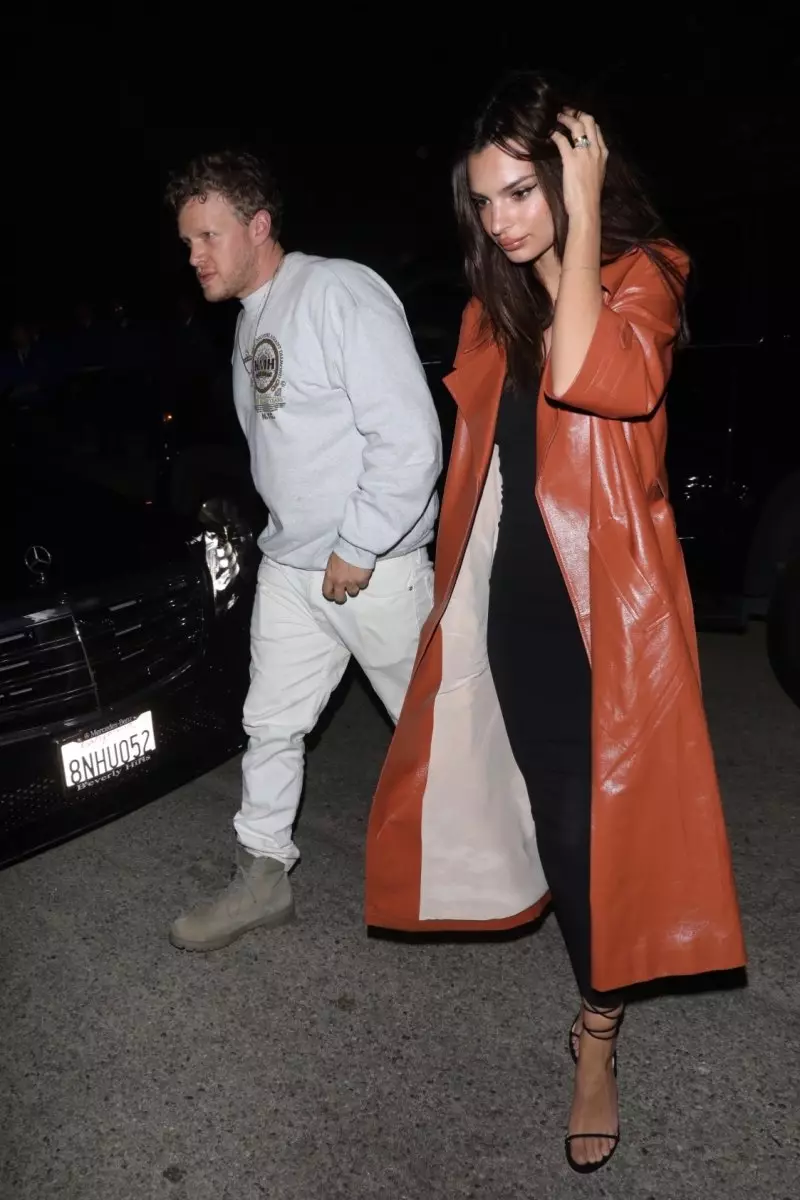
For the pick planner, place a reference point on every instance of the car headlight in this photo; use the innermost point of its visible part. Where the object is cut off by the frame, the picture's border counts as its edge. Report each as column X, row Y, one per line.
column 227, row 541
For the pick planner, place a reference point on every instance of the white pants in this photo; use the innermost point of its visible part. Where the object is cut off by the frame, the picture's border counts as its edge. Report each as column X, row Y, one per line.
column 300, row 645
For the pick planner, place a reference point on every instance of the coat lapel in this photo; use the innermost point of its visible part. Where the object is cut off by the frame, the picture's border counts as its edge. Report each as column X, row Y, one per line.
column 476, row 385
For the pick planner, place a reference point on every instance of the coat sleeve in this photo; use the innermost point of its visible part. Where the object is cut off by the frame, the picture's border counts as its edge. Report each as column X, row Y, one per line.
column 629, row 360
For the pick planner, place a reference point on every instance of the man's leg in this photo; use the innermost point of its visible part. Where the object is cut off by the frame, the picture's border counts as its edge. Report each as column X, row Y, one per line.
column 381, row 626
column 296, row 662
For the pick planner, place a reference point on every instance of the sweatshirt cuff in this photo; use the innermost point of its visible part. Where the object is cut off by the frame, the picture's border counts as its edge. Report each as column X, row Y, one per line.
column 354, row 554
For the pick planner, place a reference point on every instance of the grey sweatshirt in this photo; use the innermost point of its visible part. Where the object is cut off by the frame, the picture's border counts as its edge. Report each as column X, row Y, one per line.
column 345, row 445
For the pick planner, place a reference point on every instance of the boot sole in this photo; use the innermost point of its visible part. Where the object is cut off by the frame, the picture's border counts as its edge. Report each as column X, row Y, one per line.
column 272, row 921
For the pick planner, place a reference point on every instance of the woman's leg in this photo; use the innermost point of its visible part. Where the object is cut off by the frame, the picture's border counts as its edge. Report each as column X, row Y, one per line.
column 543, row 683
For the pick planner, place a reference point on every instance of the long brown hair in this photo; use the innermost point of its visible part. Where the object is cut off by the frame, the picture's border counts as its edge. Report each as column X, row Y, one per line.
column 519, row 117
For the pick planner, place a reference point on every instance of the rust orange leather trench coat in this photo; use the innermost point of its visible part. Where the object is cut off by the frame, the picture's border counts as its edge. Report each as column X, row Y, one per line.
column 451, row 843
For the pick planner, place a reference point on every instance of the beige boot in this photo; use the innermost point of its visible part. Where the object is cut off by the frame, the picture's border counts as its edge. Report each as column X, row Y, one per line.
column 259, row 895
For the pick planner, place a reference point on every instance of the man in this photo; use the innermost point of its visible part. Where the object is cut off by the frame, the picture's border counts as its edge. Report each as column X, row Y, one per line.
column 345, row 451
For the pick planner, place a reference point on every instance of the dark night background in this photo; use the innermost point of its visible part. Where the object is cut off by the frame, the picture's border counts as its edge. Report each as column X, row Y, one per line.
column 359, row 124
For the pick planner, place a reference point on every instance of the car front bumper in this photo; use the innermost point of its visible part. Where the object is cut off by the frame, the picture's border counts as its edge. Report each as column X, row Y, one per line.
column 197, row 718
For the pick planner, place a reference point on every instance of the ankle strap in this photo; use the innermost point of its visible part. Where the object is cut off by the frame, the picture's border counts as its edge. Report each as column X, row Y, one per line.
column 613, row 1015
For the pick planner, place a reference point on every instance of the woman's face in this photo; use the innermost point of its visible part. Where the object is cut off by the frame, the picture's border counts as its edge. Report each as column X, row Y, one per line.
column 510, row 203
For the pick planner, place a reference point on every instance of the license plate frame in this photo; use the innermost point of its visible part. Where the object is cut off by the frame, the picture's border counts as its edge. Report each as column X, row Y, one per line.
column 110, row 748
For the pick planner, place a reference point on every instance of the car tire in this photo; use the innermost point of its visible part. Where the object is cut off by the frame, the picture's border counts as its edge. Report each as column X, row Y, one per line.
column 783, row 630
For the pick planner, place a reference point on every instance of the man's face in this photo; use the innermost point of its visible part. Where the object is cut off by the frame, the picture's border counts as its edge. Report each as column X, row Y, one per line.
column 222, row 249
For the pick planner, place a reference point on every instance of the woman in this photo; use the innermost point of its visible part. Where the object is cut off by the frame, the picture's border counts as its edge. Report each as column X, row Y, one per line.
column 553, row 744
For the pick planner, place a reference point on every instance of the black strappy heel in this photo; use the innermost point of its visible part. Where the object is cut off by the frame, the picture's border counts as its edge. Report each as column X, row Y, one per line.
column 602, row 1035
column 574, row 1037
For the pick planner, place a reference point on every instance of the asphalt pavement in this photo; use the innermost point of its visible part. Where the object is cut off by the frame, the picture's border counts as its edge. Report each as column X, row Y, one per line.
column 317, row 1061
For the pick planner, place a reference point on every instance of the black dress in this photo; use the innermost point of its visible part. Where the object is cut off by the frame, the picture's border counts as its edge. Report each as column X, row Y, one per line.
column 543, row 680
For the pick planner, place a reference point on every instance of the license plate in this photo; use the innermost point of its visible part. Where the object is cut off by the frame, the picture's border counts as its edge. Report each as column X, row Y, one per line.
column 107, row 754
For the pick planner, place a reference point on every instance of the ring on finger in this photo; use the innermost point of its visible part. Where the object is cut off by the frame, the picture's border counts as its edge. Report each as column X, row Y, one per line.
column 581, row 142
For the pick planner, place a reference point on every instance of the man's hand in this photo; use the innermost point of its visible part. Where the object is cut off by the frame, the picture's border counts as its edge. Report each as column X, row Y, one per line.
column 342, row 579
